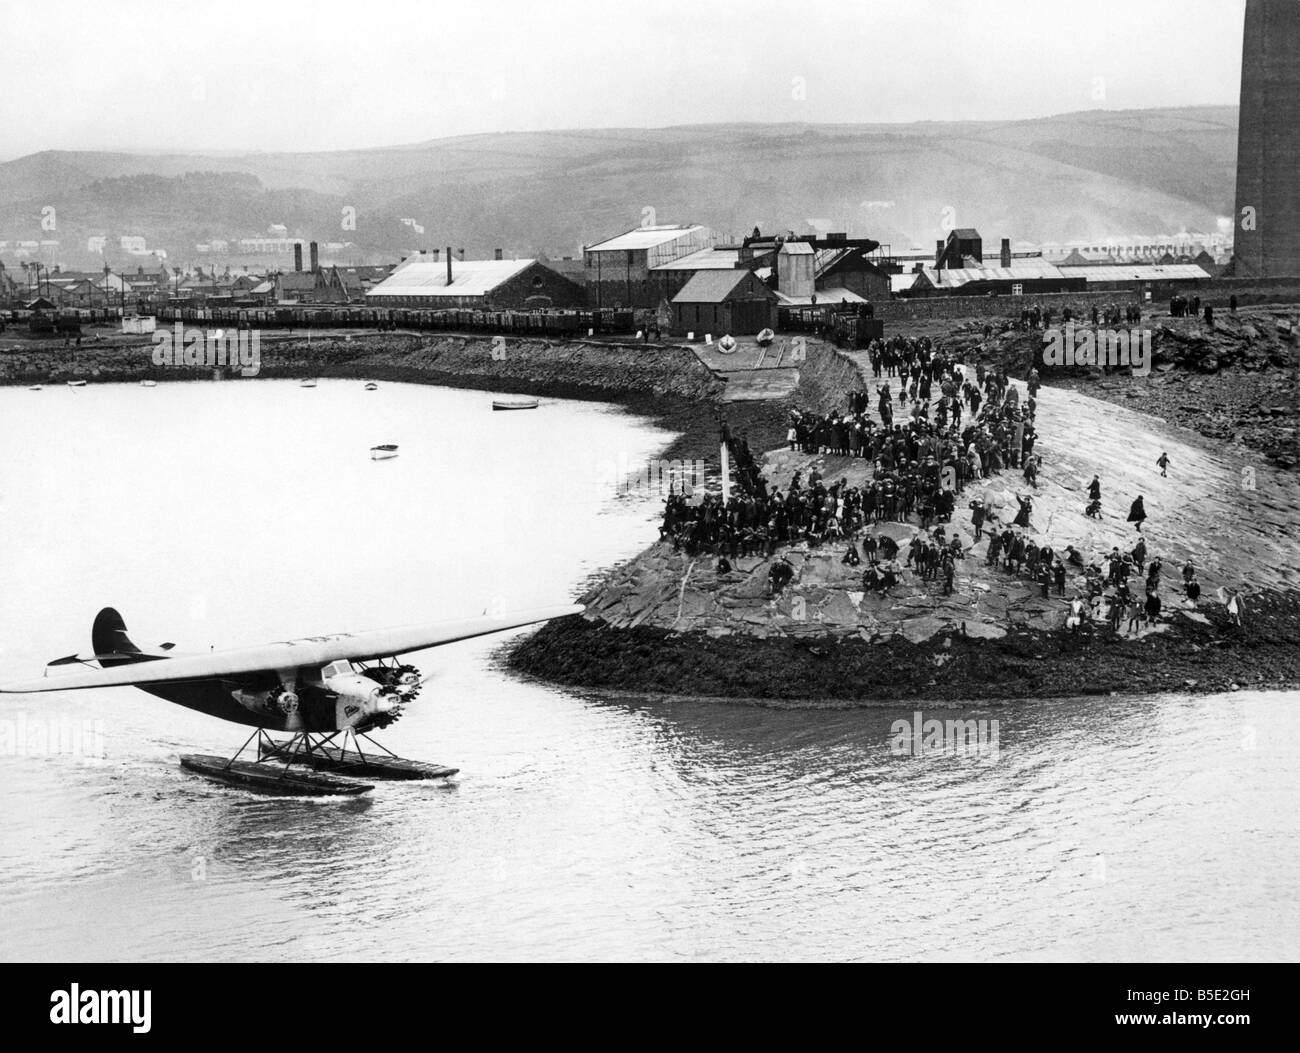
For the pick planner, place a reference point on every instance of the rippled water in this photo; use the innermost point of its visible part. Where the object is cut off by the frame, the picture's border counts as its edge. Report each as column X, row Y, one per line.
column 581, row 826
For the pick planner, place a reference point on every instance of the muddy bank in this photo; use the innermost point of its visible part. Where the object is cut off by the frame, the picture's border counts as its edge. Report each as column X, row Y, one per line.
column 1202, row 654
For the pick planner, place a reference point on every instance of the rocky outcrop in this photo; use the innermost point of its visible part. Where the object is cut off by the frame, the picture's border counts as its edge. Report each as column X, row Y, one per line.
column 1237, row 381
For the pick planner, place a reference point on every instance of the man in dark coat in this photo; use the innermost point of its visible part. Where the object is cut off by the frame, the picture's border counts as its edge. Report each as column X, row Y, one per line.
column 1137, row 513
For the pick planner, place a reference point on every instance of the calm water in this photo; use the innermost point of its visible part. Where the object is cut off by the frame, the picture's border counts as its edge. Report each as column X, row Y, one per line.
column 581, row 826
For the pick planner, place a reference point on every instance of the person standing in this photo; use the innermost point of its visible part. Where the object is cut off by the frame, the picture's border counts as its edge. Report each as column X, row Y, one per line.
column 1137, row 513
column 1026, row 507
column 1163, row 462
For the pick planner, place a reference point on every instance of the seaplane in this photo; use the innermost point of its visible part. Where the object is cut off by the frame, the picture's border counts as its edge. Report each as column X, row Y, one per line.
column 327, row 693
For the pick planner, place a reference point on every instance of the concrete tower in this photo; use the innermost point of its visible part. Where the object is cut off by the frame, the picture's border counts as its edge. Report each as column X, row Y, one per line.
column 1267, row 235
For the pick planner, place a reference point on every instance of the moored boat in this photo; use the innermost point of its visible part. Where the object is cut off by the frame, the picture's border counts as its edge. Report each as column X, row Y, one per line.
column 76, row 383
column 308, row 384
column 371, row 386
column 514, row 404
column 383, row 451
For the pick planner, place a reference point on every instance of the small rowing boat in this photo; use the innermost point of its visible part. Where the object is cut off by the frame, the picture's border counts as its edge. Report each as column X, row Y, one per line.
column 514, row 404
column 308, row 384
column 76, row 383
column 371, row 386
column 148, row 383
column 35, row 387
column 383, row 452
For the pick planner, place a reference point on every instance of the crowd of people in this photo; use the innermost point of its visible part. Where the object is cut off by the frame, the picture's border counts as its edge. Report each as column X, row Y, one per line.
column 920, row 466
column 1035, row 316
column 955, row 425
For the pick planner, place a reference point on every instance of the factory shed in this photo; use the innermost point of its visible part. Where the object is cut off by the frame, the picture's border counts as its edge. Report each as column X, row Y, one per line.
column 502, row 284
column 1104, row 277
column 724, row 301
column 1022, row 277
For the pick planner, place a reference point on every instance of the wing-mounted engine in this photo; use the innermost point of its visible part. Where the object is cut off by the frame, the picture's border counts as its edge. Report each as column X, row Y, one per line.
column 280, row 702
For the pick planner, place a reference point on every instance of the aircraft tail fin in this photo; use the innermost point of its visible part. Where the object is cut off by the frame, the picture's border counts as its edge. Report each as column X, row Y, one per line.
column 108, row 637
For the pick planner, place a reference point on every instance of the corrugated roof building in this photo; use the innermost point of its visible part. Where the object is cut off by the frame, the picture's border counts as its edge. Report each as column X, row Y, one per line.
column 619, row 269
column 1127, row 274
column 1022, row 277
column 422, row 282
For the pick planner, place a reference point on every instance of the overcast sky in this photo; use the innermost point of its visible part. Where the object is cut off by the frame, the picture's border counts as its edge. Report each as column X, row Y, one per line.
column 325, row 75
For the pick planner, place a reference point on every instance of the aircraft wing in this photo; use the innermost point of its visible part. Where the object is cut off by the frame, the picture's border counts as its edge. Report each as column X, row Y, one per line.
column 292, row 654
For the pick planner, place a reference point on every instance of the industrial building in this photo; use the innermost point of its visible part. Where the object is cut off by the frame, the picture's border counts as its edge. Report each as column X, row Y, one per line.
column 959, row 270
column 619, row 270
column 719, row 302
column 669, row 278
column 1144, row 277
column 420, row 281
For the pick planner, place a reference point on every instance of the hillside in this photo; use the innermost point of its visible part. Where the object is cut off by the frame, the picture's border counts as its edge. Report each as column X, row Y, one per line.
column 1071, row 176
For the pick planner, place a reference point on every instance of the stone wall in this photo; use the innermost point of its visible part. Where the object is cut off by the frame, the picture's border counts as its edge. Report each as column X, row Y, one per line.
column 1215, row 291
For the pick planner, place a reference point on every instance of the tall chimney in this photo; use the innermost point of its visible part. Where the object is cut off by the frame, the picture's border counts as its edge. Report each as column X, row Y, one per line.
column 297, row 255
column 496, row 254
column 938, row 250
column 449, row 265
column 1006, row 252
column 315, row 258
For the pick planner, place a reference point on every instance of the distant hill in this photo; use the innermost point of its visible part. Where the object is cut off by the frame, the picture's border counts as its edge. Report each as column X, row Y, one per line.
column 1079, row 175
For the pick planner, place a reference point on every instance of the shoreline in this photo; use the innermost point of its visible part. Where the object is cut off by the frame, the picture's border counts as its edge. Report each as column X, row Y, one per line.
column 826, row 672
column 762, row 660
column 664, row 383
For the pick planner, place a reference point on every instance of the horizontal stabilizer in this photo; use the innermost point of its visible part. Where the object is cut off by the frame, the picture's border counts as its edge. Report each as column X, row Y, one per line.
column 111, row 658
